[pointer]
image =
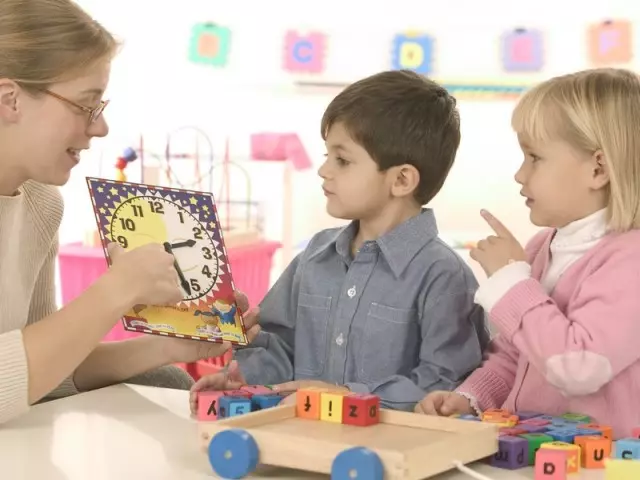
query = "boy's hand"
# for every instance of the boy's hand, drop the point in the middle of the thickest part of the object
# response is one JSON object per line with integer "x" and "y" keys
{"x": 232, "y": 379}
{"x": 445, "y": 404}
{"x": 292, "y": 387}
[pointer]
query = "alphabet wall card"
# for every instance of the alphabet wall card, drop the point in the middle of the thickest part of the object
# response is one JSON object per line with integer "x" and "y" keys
{"x": 610, "y": 42}
{"x": 522, "y": 50}
{"x": 413, "y": 51}
{"x": 209, "y": 44}
{"x": 305, "y": 52}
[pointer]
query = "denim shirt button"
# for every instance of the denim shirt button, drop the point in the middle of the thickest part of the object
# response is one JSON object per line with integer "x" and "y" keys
{"x": 340, "y": 340}
{"x": 352, "y": 292}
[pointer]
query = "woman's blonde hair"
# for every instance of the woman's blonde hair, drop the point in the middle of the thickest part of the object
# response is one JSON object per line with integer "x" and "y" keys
{"x": 593, "y": 110}
{"x": 46, "y": 41}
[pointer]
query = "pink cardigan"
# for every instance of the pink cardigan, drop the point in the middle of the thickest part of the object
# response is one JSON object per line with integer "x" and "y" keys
{"x": 577, "y": 350}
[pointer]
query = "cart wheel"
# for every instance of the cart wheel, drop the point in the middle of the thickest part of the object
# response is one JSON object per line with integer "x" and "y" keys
{"x": 233, "y": 453}
{"x": 357, "y": 463}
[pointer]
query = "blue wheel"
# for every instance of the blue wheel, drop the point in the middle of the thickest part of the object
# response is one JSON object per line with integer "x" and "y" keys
{"x": 357, "y": 463}
{"x": 233, "y": 454}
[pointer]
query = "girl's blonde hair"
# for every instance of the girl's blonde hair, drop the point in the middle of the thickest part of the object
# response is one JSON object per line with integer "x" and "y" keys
{"x": 46, "y": 41}
{"x": 593, "y": 110}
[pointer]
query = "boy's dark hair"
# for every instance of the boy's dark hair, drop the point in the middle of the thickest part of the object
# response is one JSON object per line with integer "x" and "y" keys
{"x": 400, "y": 117}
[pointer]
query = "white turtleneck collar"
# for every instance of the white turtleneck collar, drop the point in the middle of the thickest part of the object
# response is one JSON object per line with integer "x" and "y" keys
{"x": 571, "y": 242}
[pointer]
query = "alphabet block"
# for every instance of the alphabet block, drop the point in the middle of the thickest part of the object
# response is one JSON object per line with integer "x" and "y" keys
{"x": 535, "y": 440}
{"x": 256, "y": 390}
{"x": 628, "y": 449}
{"x": 331, "y": 406}
{"x": 550, "y": 465}
{"x": 208, "y": 404}
{"x": 308, "y": 403}
{"x": 618, "y": 469}
{"x": 509, "y": 421}
{"x": 572, "y": 454}
{"x": 361, "y": 410}
{"x": 532, "y": 428}
{"x": 260, "y": 402}
{"x": 527, "y": 415}
{"x": 535, "y": 422}
{"x": 576, "y": 417}
{"x": 237, "y": 393}
{"x": 560, "y": 434}
{"x": 232, "y": 406}
{"x": 511, "y": 431}
{"x": 594, "y": 449}
{"x": 513, "y": 452}
{"x": 607, "y": 431}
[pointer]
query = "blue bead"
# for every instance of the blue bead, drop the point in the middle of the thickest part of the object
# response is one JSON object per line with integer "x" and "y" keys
{"x": 233, "y": 454}
{"x": 357, "y": 463}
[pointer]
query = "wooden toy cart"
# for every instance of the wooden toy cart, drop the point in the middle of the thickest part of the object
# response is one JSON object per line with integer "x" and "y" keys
{"x": 403, "y": 445}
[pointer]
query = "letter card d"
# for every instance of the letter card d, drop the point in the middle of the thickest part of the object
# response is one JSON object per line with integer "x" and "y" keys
{"x": 413, "y": 51}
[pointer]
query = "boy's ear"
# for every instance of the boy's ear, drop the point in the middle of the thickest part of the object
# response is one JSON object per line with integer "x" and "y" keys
{"x": 405, "y": 180}
{"x": 600, "y": 171}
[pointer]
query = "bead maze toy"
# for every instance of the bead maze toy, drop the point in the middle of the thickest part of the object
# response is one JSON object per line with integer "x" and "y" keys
{"x": 346, "y": 435}
{"x": 558, "y": 446}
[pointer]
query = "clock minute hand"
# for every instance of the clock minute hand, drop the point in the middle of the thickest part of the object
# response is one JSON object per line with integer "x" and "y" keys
{"x": 187, "y": 243}
{"x": 183, "y": 280}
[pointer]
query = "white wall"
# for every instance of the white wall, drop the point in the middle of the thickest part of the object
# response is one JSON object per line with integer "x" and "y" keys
{"x": 155, "y": 89}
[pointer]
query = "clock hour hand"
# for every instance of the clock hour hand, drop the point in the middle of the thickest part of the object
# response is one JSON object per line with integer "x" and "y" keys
{"x": 187, "y": 243}
{"x": 183, "y": 280}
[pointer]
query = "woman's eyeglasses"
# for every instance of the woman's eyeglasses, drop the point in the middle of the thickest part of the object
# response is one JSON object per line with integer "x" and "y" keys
{"x": 94, "y": 113}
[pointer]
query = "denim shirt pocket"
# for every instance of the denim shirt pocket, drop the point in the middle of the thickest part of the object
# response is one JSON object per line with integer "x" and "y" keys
{"x": 311, "y": 334}
{"x": 389, "y": 334}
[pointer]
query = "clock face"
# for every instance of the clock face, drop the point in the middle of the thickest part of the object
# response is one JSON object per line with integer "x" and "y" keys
{"x": 139, "y": 220}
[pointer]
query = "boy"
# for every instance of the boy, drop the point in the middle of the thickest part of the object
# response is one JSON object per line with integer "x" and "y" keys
{"x": 382, "y": 305}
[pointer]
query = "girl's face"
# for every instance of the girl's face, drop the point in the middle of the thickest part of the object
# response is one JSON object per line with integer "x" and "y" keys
{"x": 41, "y": 136}
{"x": 560, "y": 183}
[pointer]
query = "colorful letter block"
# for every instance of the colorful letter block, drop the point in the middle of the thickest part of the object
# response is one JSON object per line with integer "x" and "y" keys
{"x": 550, "y": 465}
{"x": 304, "y": 53}
{"x": 572, "y": 454}
{"x": 237, "y": 393}
{"x": 413, "y": 51}
{"x": 628, "y": 449}
{"x": 594, "y": 450}
{"x": 606, "y": 430}
{"x": 513, "y": 452}
{"x": 331, "y": 406}
{"x": 208, "y": 404}
{"x": 576, "y": 417}
{"x": 522, "y": 50}
{"x": 360, "y": 410}
{"x": 535, "y": 441}
{"x": 524, "y": 415}
{"x": 618, "y": 469}
{"x": 261, "y": 402}
{"x": 610, "y": 42}
{"x": 308, "y": 403}
{"x": 232, "y": 406}
{"x": 209, "y": 44}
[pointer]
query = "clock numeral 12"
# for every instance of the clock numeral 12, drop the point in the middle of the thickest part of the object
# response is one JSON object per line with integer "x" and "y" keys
{"x": 157, "y": 207}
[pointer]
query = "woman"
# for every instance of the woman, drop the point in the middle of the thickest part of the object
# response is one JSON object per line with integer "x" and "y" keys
{"x": 54, "y": 67}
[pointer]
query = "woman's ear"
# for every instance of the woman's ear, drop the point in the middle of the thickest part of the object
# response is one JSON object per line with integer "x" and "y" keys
{"x": 600, "y": 171}
{"x": 405, "y": 180}
{"x": 9, "y": 92}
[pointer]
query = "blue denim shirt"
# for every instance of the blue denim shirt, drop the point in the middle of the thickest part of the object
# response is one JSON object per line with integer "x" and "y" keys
{"x": 397, "y": 320}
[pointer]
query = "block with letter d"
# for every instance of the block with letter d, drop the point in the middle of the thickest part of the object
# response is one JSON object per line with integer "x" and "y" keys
{"x": 550, "y": 465}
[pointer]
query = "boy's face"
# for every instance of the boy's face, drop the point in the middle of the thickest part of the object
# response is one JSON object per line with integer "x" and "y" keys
{"x": 354, "y": 187}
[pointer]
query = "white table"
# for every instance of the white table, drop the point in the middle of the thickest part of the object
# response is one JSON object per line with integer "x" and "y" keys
{"x": 138, "y": 433}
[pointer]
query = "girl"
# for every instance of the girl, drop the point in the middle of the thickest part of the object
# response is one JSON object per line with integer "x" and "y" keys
{"x": 54, "y": 69}
{"x": 567, "y": 308}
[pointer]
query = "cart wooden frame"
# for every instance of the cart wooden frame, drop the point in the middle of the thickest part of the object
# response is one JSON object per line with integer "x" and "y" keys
{"x": 410, "y": 446}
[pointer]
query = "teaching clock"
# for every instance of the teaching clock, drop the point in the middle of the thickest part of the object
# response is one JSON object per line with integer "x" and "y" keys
{"x": 148, "y": 218}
